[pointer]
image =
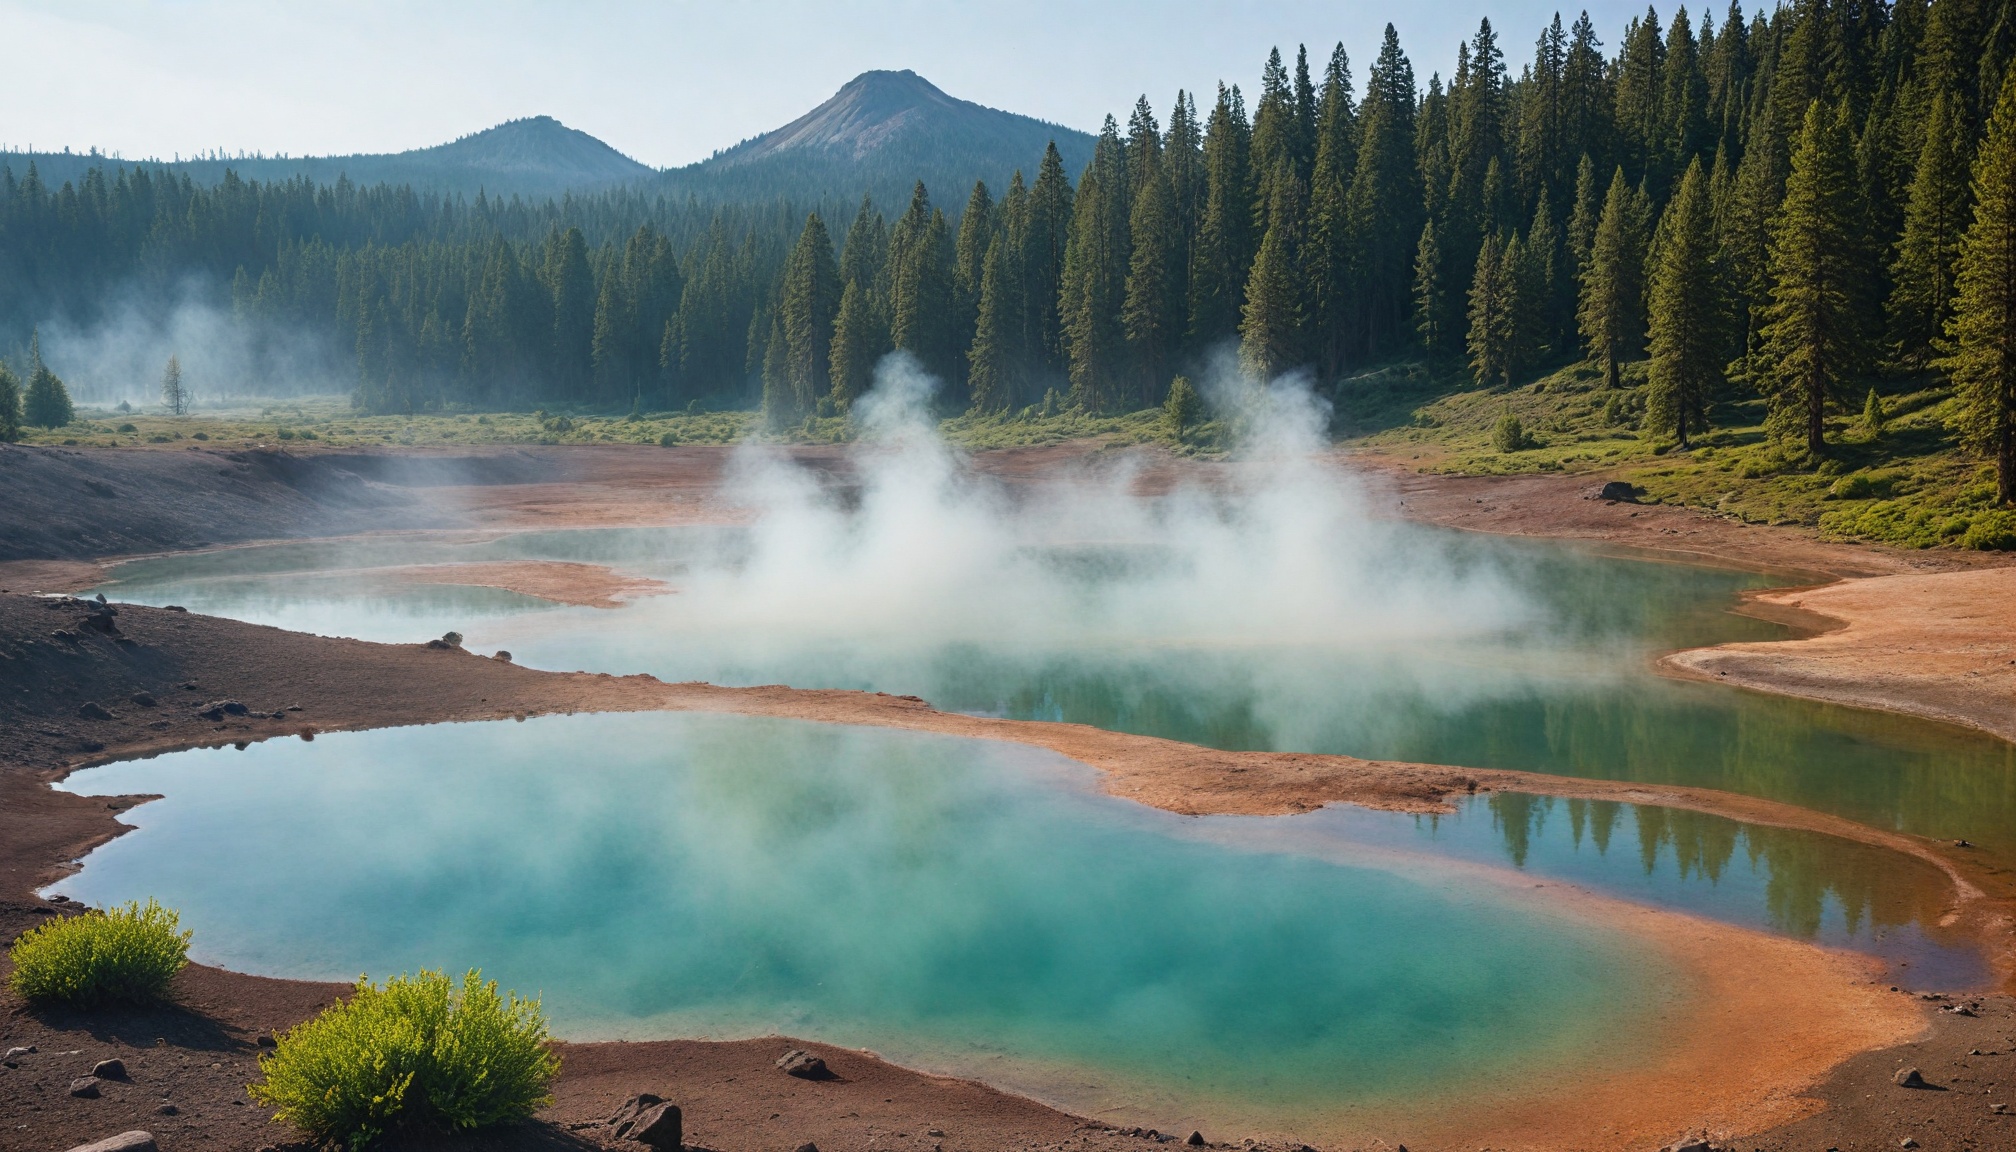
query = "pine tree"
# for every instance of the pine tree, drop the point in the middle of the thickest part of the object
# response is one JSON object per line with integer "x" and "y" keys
{"x": 1612, "y": 312}
{"x": 1491, "y": 317}
{"x": 780, "y": 401}
{"x": 1270, "y": 330}
{"x": 1224, "y": 249}
{"x": 47, "y": 403}
{"x": 1935, "y": 219}
{"x": 1430, "y": 304}
{"x": 921, "y": 320}
{"x": 1327, "y": 255}
{"x": 1686, "y": 339}
{"x": 173, "y": 397}
{"x": 1815, "y": 332}
{"x": 1385, "y": 199}
{"x": 1584, "y": 216}
{"x": 1042, "y": 259}
{"x": 858, "y": 344}
{"x": 993, "y": 364}
{"x": 806, "y": 309}
{"x": 969, "y": 255}
{"x": 1982, "y": 363}
{"x": 10, "y": 405}
{"x": 1096, "y": 260}
{"x": 570, "y": 285}
{"x": 1182, "y": 407}
{"x": 1153, "y": 313}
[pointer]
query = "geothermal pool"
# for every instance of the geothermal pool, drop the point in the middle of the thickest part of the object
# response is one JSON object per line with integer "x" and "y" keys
{"x": 958, "y": 905}
{"x": 1559, "y": 680}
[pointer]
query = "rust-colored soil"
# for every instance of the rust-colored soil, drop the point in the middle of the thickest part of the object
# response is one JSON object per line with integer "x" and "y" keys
{"x": 1938, "y": 645}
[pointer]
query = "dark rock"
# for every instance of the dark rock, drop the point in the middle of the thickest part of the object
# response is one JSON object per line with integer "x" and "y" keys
{"x": 1617, "y": 490}
{"x": 218, "y": 709}
{"x": 502, "y": 655}
{"x": 143, "y": 699}
{"x": 90, "y": 746}
{"x": 124, "y": 1142}
{"x": 1196, "y": 1140}
{"x": 100, "y": 622}
{"x": 65, "y": 635}
{"x": 266, "y": 1040}
{"x": 647, "y": 1119}
{"x": 92, "y": 710}
{"x": 804, "y": 1065}
{"x": 1689, "y": 1144}
{"x": 173, "y": 608}
{"x": 1910, "y": 1078}
{"x": 113, "y": 1069}
{"x": 439, "y": 645}
{"x": 84, "y": 1087}
{"x": 660, "y": 1126}
{"x": 452, "y": 639}
{"x": 17, "y": 1053}
{"x": 807, "y": 1146}
{"x": 167, "y": 1110}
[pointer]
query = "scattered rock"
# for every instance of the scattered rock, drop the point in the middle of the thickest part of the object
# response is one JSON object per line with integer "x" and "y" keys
{"x": 1620, "y": 491}
{"x": 647, "y": 1119}
{"x": 113, "y": 1069}
{"x": 173, "y": 608}
{"x": 1689, "y": 1144}
{"x": 807, "y": 1146}
{"x": 452, "y": 639}
{"x": 804, "y": 1065}
{"x": 1907, "y": 1142}
{"x": 502, "y": 656}
{"x": 218, "y": 709}
{"x": 124, "y": 1142}
{"x": 439, "y": 645}
{"x": 84, "y": 1087}
{"x": 143, "y": 699}
{"x": 92, "y": 710}
{"x": 1196, "y": 1140}
{"x": 167, "y": 1110}
{"x": 1910, "y": 1078}
{"x": 266, "y": 1040}
{"x": 1999, "y": 1109}
{"x": 17, "y": 1053}
{"x": 938, "y": 1133}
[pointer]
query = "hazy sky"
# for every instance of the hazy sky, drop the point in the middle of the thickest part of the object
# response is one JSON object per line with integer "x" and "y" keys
{"x": 667, "y": 82}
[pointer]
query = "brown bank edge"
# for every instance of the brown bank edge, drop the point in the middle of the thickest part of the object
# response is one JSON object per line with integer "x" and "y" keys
{"x": 1773, "y": 1016}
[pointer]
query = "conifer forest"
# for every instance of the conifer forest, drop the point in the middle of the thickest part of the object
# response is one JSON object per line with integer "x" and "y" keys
{"x": 1786, "y": 205}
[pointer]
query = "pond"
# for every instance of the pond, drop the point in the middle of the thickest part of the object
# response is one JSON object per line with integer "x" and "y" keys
{"x": 958, "y": 905}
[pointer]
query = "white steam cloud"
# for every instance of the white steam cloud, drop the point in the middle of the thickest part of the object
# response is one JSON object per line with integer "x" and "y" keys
{"x": 922, "y": 549}
{"x": 120, "y": 355}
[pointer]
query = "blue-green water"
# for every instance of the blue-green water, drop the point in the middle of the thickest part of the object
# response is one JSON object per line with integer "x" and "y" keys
{"x": 1557, "y": 679}
{"x": 955, "y": 904}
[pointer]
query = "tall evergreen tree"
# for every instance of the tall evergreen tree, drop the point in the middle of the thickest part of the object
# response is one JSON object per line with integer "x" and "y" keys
{"x": 1327, "y": 254}
{"x": 1096, "y": 261}
{"x": 1982, "y": 363}
{"x": 1686, "y": 340}
{"x": 1431, "y": 307}
{"x": 858, "y": 344}
{"x": 994, "y": 366}
{"x": 47, "y": 402}
{"x": 1612, "y": 313}
{"x": 1270, "y": 331}
{"x": 1224, "y": 248}
{"x": 1816, "y": 328}
{"x": 174, "y": 396}
{"x": 806, "y": 310}
{"x": 1385, "y": 199}
{"x": 10, "y": 405}
{"x": 1935, "y": 219}
{"x": 1153, "y": 314}
{"x": 1042, "y": 258}
{"x": 1492, "y": 309}
{"x": 570, "y": 285}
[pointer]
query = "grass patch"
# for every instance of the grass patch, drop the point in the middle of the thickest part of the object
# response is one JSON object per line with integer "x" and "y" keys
{"x": 127, "y": 955}
{"x": 416, "y": 1054}
{"x": 1910, "y": 485}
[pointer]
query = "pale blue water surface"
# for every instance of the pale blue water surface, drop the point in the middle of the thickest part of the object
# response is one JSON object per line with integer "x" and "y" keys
{"x": 961, "y": 905}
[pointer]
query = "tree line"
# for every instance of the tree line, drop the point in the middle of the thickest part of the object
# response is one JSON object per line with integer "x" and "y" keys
{"x": 1786, "y": 204}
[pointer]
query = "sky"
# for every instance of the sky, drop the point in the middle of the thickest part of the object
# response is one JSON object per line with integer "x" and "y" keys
{"x": 667, "y": 83}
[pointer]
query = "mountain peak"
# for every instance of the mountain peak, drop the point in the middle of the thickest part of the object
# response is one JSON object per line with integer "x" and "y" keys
{"x": 884, "y": 108}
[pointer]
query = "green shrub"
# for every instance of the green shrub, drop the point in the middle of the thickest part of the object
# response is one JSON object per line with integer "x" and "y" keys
{"x": 126, "y": 955}
{"x": 1857, "y": 486}
{"x": 1991, "y": 532}
{"x": 415, "y": 1054}
{"x": 1509, "y": 435}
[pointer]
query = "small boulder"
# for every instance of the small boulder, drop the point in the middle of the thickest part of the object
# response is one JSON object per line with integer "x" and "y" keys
{"x": 804, "y": 1065}
{"x": 1907, "y": 1142}
{"x": 167, "y": 1110}
{"x": 265, "y": 1040}
{"x": 143, "y": 699}
{"x": 807, "y": 1146}
{"x": 502, "y": 656}
{"x": 1620, "y": 491}
{"x": 452, "y": 639}
{"x": 1909, "y": 1078}
{"x": 124, "y": 1142}
{"x": 1689, "y": 1144}
{"x": 1196, "y": 1140}
{"x": 17, "y": 1053}
{"x": 113, "y": 1069}
{"x": 84, "y": 1088}
{"x": 439, "y": 645}
{"x": 92, "y": 710}
{"x": 660, "y": 1126}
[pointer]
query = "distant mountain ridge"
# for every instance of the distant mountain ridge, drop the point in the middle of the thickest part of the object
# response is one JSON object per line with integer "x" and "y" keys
{"x": 536, "y": 157}
{"x": 878, "y": 135}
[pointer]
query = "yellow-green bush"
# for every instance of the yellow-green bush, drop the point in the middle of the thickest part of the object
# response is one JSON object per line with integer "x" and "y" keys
{"x": 418, "y": 1053}
{"x": 128, "y": 954}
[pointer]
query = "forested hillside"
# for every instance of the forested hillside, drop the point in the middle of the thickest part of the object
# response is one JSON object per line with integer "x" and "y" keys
{"x": 1780, "y": 206}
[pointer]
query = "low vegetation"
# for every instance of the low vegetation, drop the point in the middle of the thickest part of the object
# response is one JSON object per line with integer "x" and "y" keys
{"x": 419, "y": 1053}
{"x": 1895, "y": 472}
{"x": 127, "y": 955}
